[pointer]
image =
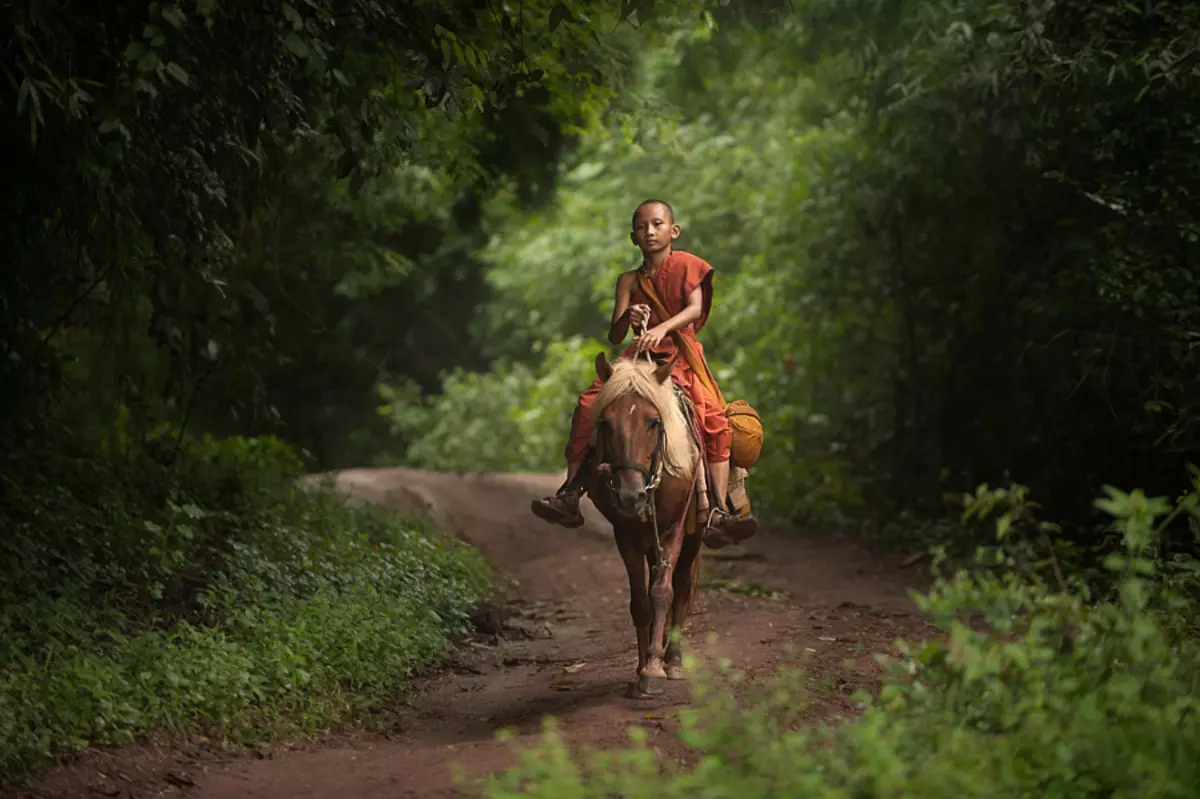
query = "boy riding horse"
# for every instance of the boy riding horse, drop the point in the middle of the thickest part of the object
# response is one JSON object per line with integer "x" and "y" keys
{"x": 683, "y": 284}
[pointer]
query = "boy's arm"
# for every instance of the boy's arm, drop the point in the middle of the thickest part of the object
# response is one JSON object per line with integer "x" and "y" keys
{"x": 691, "y": 312}
{"x": 619, "y": 328}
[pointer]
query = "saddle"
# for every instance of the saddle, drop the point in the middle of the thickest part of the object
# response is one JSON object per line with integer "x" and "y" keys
{"x": 739, "y": 500}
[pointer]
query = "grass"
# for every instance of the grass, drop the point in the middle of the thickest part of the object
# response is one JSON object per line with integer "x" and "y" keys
{"x": 237, "y": 605}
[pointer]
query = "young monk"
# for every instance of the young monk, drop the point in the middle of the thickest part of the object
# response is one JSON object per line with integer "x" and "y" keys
{"x": 683, "y": 283}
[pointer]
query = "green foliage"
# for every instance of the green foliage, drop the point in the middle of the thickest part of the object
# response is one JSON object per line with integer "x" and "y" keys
{"x": 205, "y": 194}
{"x": 227, "y": 221}
{"x": 211, "y": 594}
{"x": 1030, "y": 691}
{"x": 511, "y": 418}
{"x": 734, "y": 157}
{"x": 1009, "y": 198}
{"x": 952, "y": 244}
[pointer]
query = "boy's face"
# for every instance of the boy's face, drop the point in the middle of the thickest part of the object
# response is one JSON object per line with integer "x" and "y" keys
{"x": 653, "y": 228}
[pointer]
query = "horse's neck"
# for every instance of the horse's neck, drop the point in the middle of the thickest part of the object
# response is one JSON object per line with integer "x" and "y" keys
{"x": 674, "y": 497}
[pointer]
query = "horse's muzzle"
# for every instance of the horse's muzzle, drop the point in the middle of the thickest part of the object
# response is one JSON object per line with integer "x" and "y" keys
{"x": 632, "y": 503}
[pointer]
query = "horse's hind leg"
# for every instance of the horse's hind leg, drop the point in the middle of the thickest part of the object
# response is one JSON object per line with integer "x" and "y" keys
{"x": 685, "y": 584}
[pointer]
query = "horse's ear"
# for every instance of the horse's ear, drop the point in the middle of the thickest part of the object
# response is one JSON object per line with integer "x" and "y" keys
{"x": 603, "y": 367}
{"x": 663, "y": 373}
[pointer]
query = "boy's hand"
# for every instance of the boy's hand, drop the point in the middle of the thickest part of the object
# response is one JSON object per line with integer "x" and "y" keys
{"x": 639, "y": 315}
{"x": 651, "y": 338}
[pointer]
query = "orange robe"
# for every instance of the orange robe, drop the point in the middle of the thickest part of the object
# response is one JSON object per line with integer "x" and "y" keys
{"x": 673, "y": 282}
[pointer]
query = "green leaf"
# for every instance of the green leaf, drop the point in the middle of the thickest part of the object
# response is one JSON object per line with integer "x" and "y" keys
{"x": 154, "y": 35}
{"x": 148, "y": 62}
{"x": 134, "y": 51}
{"x": 23, "y": 94}
{"x": 178, "y": 73}
{"x": 175, "y": 16}
{"x": 293, "y": 16}
{"x": 296, "y": 45}
{"x": 558, "y": 15}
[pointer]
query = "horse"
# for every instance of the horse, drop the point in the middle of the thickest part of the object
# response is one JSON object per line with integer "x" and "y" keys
{"x": 643, "y": 479}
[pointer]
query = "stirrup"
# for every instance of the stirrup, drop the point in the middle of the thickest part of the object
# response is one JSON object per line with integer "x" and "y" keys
{"x": 727, "y": 529}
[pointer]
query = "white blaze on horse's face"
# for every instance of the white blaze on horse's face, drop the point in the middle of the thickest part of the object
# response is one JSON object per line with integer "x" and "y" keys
{"x": 630, "y": 430}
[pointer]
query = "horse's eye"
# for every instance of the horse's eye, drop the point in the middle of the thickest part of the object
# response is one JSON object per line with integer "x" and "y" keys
{"x": 603, "y": 423}
{"x": 653, "y": 423}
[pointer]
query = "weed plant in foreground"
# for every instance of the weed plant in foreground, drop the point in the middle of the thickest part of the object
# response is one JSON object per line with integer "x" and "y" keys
{"x": 1035, "y": 689}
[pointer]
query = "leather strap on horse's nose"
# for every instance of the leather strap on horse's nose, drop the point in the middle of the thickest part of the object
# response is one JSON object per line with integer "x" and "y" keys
{"x": 650, "y": 474}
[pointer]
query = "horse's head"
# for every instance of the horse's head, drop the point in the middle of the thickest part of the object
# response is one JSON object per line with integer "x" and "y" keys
{"x": 631, "y": 432}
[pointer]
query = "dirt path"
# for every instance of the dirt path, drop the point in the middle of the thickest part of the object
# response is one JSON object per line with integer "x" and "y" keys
{"x": 568, "y": 651}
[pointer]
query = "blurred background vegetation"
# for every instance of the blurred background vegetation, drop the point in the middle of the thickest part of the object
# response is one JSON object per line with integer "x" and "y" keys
{"x": 955, "y": 243}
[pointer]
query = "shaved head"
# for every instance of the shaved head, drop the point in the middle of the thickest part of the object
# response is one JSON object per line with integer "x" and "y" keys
{"x": 666, "y": 206}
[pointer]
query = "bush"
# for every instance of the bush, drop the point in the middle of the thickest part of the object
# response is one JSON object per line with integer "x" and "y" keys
{"x": 212, "y": 593}
{"x": 511, "y": 418}
{"x": 1031, "y": 691}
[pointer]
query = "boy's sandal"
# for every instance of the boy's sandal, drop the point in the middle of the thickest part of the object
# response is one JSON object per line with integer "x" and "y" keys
{"x": 561, "y": 509}
{"x": 724, "y": 529}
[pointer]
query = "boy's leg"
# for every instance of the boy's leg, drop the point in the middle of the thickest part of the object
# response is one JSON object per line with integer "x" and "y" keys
{"x": 723, "y": 528}
{"x": 720, "y": 479}
{"x": 563, "y": 507}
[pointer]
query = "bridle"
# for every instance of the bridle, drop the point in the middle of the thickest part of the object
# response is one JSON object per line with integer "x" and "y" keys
{"x": 653, "y": 478}
{"x": 652, "y": 474}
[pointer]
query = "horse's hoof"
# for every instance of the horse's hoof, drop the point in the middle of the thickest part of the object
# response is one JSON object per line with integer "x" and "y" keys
{"x": 674, "y": 672}
{"x": 647, "y": 686}
{"x": 633, "y": 692}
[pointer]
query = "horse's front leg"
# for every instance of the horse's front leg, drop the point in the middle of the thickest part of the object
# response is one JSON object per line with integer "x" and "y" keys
{"x": 654, "y": 673}
{"x": 662, "y": 596}
{"x": 639, "y": 596}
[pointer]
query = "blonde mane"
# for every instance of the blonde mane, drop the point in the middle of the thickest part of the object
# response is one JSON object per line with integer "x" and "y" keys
{"x": 637, "y": 377}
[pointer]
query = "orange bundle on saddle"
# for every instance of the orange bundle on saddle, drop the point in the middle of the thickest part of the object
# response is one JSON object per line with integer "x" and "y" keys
{"x": 743, "y": 419}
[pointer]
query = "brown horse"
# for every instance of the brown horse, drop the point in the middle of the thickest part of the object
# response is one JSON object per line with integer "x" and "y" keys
{"x": 643, "y": 478}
